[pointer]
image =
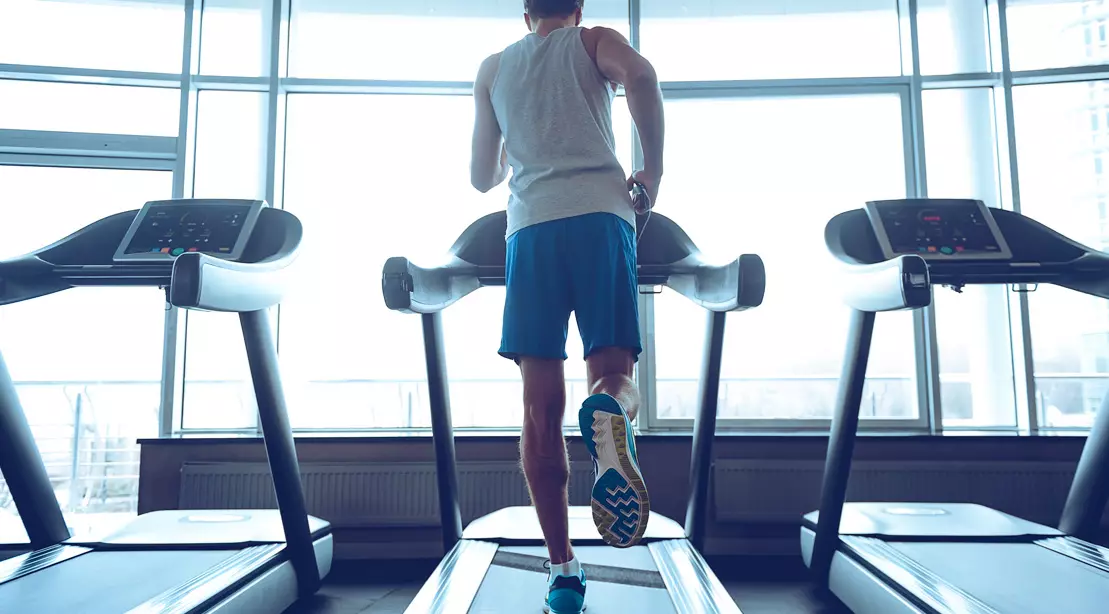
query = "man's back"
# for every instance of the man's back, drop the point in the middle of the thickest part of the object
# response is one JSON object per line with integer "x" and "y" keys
{"x": 554, "y": 108}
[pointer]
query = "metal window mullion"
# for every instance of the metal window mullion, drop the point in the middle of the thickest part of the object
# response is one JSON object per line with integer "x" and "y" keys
{"x": 1023, "y": 364}
{"x": 961, "y": 80}
{"x": 228, "y": 83}
{"x": 648, "y": 406}
{"x": 59, "y": 143}
{"x": 93, "y": 76}
{"x": 635, "y": 18}
{"x": 78, "y": 161}
{"x": 173, "y": 342}
{"x": 275, "y": 50}
{"x": 925, "y": 346}
{"x": 276, "y": 62}
{"x": 1068, "y": 74}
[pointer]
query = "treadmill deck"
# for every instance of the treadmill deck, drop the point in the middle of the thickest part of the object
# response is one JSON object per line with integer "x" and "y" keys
{"x": 106, "y": 582}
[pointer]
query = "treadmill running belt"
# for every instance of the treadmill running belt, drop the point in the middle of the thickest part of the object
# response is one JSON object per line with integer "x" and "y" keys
{"x": 1022, "y": 578}
{"x": 105, "y": 582}
{"x": 506, "y": 589}
{"x": 593, "y": 572}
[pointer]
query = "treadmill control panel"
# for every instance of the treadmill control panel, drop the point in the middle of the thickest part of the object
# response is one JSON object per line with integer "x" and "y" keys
{"x": 166, "y": 229}
{"x": 937, "y": 229}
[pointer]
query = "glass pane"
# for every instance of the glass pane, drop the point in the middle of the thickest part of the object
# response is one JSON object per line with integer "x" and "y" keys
{"x": 771, "y": 39}
{"x": 1063, "y": 185}
{"x": 404, "y": 40}
{"x": 347, "y": 360}
{"x": 954, "y": 36}
{"x": 1056, "y": 33}
{"x": 73, "y": 107}
{"x": 230, "y": 151}
{"x": 145, "y": 35}
{"x": 230, "y": 145}
{"x": 764, "y": 176}
{"x": 87, "y": 361}
{"x": 233, "y": 36}
{"x": 973, "y": 328}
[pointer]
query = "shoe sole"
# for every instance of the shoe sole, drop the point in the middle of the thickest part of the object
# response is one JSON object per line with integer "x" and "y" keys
{"x": 619, "y": 500}
{"x": 547, "y": 609}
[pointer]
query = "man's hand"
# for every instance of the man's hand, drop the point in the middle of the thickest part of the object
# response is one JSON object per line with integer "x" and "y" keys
{"x": 650, "y": 182}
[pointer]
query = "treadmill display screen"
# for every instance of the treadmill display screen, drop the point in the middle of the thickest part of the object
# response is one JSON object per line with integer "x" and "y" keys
{"x": 952, "y": 228}
{"x": 175, "y": 228}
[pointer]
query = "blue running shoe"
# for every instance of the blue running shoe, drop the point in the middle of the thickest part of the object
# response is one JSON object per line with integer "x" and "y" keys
{"x": 619, "y": 502}
{"x": 565, "y": 594}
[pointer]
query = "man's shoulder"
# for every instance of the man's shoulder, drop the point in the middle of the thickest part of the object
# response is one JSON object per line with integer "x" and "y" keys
{"x": 489, "y": 67}
{"x": 597, "y": 32}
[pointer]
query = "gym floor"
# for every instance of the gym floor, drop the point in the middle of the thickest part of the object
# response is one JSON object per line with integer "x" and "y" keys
{"x": 388, "y": 588}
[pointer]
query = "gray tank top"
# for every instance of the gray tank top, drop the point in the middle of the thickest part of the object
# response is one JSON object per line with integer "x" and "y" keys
{"x": 554, "y": 108}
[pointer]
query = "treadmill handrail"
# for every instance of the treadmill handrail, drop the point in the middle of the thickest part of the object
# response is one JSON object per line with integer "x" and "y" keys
{"x": 260, "y": 278}
{"x": 892, "y": 285}
{"x": 666, "y": 256}
{"x": 205, "y": 282}
{"x": 411, "y": 288}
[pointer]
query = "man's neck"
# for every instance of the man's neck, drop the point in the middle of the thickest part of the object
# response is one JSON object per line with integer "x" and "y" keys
{"x": 546, "y": 26}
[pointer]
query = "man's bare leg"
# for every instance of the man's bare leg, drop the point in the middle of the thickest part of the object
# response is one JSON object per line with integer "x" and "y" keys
{"x": 611, "y": 371}
{"x": 543, "y": 451}
{"x": 619, "y": 498}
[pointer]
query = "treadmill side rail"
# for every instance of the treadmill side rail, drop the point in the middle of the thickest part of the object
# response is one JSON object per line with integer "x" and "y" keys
{"x": 692, "y": 586}
{"x": 930, "y": 589}
{"x": 27, "y": 564}
{"x": 1079, "y": 550}
{"x": 456, "y": 581}
{"x": 203, "y": 590}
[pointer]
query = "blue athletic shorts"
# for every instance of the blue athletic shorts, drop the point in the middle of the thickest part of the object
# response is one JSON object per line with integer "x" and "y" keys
{"x": 585, "y": 264}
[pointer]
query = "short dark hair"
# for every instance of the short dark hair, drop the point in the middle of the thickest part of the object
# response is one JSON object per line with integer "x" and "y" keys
{"x": 552, "y": 8}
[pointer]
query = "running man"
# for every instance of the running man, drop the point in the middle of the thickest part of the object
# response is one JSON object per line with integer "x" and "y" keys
{"x": 544, "y": 110}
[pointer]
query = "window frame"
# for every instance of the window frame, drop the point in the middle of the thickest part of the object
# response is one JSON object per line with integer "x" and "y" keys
{"x": 178, "y": 153}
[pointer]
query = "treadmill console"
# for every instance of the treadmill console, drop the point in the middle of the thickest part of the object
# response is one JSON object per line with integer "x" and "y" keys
{"x": 165, "y": 229}
{"x": 937, "y": 229}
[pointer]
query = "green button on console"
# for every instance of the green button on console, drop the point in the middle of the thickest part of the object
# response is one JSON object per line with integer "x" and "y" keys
{"x": 947, "y": 250}
{"x": 177, "y": 251}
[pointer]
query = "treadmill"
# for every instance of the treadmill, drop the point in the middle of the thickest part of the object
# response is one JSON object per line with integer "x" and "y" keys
{"x": 887, "y": 557}
{"x": 496, "y": 564}
{"x": 212, "y": 255}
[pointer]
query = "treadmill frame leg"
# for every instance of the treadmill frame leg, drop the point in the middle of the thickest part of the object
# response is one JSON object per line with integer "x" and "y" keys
{"x": 704, "y": 430}
{"x": 25, "y": 471}
{"x": 1089, "y": 491}
{"x": 841, "y": 444}
{"x": 442, "y": 429}
{"x": 277, "y": 433}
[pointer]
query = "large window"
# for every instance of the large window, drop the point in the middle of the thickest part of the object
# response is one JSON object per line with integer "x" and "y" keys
{"x": 351, "y": 115}
{"x": 1064, "y": 185}
{"x": 87, "y": 362}
{"x": 763, "y": 176}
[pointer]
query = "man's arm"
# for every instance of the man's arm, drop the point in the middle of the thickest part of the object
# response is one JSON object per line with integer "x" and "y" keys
{"x": 488, "y": 159}
{"x": 619, "y": 62}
